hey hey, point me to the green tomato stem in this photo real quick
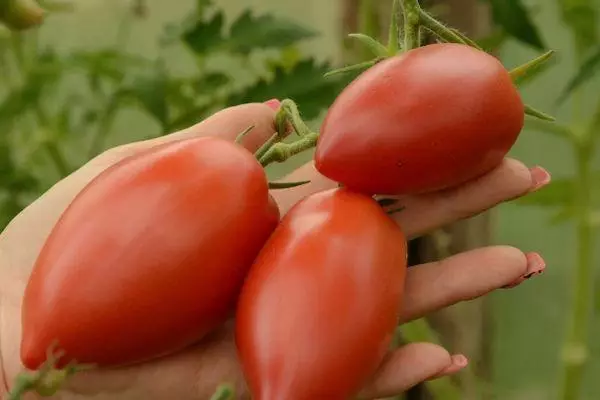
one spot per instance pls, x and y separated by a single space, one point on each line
467 40
293 115
281 119
266 146
576 349
354 67
280 152
394 31
441 30
412 24
378 49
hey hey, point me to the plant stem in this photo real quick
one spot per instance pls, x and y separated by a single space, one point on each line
106 121
440 29
394 31
280 152
412 19
293 114
576 349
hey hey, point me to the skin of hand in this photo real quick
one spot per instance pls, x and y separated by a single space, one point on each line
196 372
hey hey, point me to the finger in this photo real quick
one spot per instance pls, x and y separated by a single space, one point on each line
465 276
459 362
227 124
405 368
424 213
510 180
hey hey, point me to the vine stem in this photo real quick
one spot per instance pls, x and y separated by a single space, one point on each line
412 24
280 152
576 349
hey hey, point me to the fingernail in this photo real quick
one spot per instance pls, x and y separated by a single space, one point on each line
540 178
535 266
273 103
459 360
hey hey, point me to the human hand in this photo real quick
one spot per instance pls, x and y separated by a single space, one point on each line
197 371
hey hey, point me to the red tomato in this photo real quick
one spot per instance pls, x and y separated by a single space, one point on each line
430 119
321 302
150 256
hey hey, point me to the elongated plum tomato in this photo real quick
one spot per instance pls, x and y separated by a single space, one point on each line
320 304
150 256
427 120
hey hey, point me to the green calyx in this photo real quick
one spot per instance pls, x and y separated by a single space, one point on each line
21 14
415 19
48 379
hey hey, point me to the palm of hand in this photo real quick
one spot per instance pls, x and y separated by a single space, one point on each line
196 372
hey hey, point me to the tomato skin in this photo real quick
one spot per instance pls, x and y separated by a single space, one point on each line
321 302
150 256
430 119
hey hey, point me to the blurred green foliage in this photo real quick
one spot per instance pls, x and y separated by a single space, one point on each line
42 127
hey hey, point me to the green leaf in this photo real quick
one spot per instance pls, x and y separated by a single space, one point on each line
191 116
210 82
41 78
250 32
108 64
559 193
203 5
582 18
15 181
304 83
203 36
247 32
151 91
514 18
588 69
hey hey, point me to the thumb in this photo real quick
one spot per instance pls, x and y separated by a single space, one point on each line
227 124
